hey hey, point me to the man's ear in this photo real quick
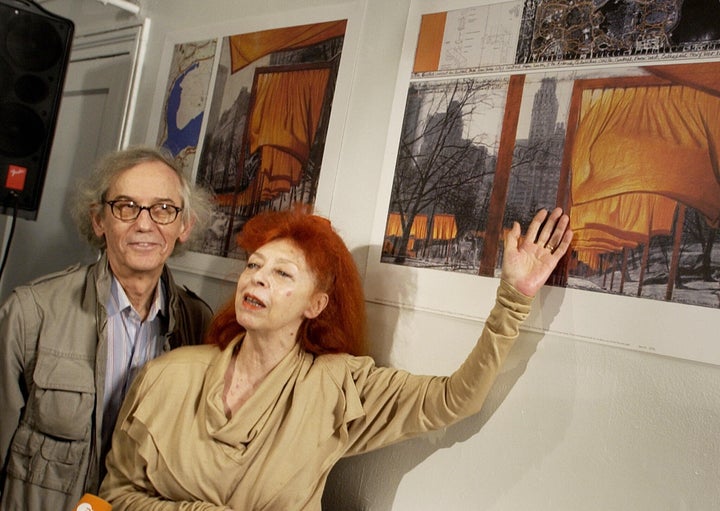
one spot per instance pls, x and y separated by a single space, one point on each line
318 302
186 230
96 220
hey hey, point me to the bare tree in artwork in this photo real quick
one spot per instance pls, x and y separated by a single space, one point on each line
439 169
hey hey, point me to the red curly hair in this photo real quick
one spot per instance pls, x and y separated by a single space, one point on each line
340 327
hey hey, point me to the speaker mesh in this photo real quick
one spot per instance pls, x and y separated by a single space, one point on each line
31 89
33 43
34 55
22 131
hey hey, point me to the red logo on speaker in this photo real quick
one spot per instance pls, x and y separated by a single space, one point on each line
16 177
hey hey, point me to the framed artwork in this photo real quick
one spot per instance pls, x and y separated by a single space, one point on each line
608 109
253 111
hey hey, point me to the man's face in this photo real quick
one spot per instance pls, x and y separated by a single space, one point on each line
141 246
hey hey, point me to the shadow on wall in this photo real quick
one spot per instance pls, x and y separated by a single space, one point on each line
370 481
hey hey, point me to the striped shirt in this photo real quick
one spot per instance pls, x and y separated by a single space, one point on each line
131 343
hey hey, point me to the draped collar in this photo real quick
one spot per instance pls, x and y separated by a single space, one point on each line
249 420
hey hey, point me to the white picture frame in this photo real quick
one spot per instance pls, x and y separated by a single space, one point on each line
664 328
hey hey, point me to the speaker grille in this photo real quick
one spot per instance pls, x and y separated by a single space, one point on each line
34 54
31 89
21 130
33 43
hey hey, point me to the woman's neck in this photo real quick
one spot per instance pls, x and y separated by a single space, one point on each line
250 365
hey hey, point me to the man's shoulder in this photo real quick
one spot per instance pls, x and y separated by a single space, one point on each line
52 294
184 293
59 280
196 312
189 294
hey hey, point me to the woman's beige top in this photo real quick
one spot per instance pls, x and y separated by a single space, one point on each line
174 447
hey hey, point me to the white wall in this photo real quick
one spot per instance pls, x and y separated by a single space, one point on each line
569 425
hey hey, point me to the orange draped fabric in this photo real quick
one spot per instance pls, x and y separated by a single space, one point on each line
247 48
417 231
444 227
394 225
282 125
633 217
598 240
655 139
590 242
280 172
419 227
614 223
287 110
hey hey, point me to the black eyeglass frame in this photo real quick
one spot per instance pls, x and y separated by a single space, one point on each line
164 206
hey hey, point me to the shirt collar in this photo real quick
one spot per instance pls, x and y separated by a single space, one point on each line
119 302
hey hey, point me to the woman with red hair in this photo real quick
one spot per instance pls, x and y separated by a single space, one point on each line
340 328
257 417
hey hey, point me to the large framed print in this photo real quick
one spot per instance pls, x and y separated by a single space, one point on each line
253 109
610 110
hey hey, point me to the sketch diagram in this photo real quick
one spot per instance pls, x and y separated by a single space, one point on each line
480 36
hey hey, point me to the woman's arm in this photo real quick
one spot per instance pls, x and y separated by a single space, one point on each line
399 405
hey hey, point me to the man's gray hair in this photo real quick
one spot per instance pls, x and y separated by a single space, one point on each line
90 193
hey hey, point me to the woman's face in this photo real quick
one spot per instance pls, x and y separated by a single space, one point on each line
277 291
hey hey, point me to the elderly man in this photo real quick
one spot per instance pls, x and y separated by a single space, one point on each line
72 342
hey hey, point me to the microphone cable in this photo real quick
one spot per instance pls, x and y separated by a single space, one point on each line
12 231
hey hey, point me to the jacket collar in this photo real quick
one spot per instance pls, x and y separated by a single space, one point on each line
97 290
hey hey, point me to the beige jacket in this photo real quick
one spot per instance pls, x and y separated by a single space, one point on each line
174 448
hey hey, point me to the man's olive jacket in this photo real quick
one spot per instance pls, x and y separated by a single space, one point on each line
53 353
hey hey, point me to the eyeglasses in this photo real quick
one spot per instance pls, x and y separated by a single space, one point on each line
128 211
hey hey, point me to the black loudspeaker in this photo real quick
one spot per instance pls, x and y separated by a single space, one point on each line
34 55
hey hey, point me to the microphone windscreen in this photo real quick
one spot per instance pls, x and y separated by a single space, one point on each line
90 502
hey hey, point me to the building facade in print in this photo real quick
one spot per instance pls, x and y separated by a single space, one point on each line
537 159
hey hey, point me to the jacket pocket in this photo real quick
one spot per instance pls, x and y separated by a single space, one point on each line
45 461
63 397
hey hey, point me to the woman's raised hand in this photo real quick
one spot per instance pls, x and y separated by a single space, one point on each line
528 261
